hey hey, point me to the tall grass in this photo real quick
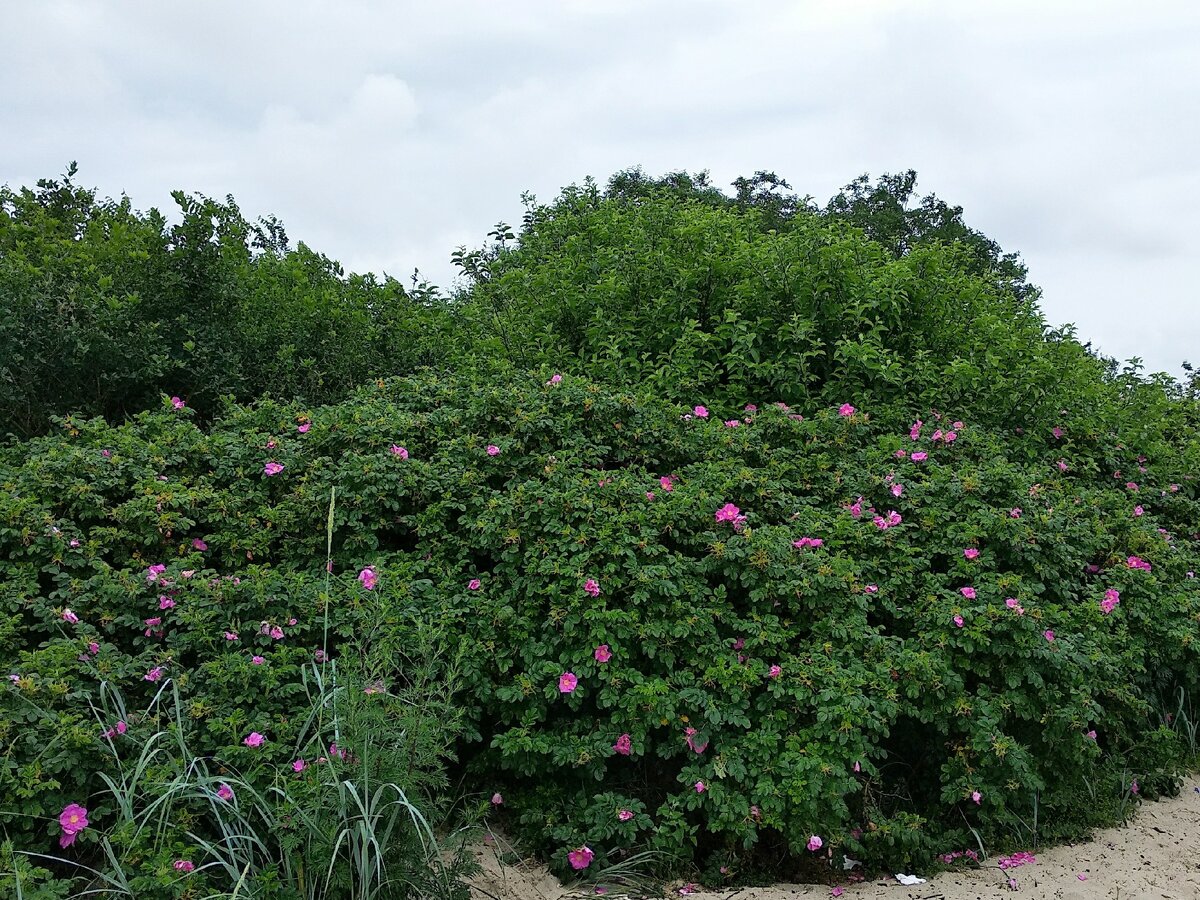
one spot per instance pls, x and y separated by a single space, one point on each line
349 833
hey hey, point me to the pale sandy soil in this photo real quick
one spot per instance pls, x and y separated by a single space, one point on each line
1155 857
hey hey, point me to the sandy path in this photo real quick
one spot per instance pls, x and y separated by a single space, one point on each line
1155 857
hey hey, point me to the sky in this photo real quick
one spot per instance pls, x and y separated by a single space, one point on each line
386 134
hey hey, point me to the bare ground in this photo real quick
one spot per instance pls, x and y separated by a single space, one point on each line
1155 857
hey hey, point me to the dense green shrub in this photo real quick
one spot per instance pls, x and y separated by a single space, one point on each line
530 522
672 286
103 308
643 625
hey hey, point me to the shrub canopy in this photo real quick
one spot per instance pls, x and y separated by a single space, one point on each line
711 524
862 686
104 308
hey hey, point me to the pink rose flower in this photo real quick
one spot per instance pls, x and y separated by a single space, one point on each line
474 584
591 587
397 450
184 865
602 654
253 739
567 682
1111 599
368 578
493 450
272 468
727 513
73 819
624 745
581 858
971 553
815 843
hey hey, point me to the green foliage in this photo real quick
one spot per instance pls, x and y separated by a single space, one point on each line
341 827
583 593
673 286
694 611
341 798
105 308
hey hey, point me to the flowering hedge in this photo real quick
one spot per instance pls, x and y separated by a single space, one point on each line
715 633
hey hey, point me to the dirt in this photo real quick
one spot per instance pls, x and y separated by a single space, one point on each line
1155 857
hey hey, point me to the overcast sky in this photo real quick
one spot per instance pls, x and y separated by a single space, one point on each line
386 134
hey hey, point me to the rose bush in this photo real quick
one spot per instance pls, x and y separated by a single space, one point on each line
666 633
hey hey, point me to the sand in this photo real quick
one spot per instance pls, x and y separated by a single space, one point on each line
1155 857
